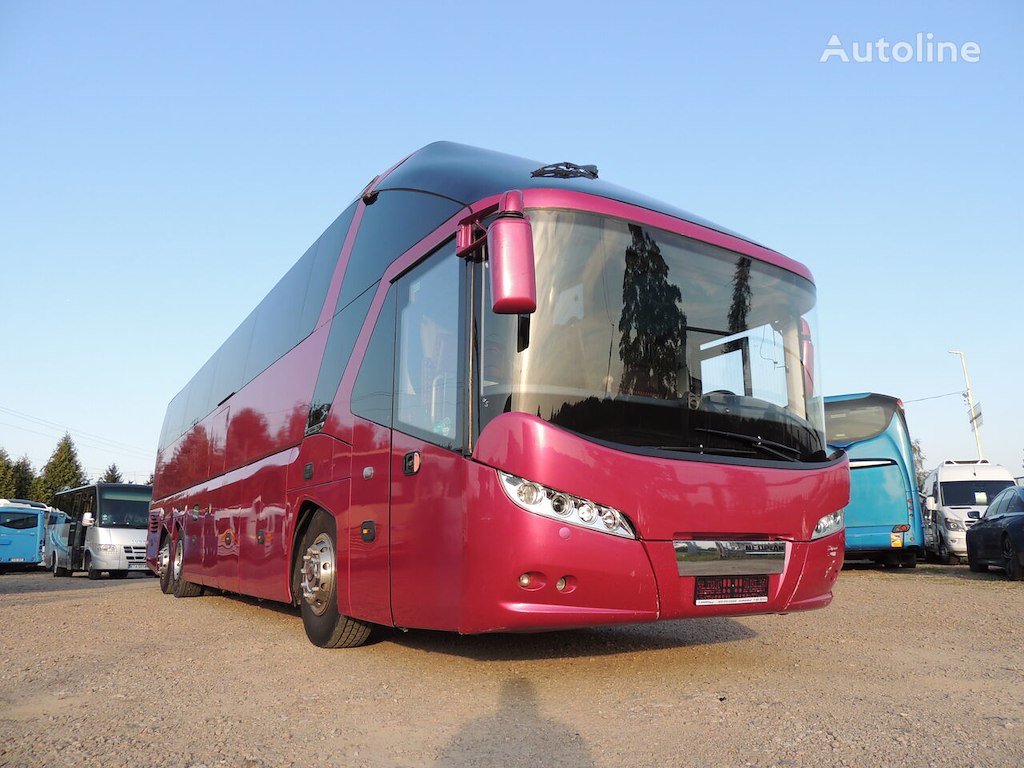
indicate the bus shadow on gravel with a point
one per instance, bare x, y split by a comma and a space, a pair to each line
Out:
533, 646
582, 643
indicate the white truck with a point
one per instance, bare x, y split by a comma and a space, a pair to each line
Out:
956, 494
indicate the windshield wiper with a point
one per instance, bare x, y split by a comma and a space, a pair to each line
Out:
785, 452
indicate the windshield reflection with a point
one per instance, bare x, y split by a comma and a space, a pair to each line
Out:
648, 339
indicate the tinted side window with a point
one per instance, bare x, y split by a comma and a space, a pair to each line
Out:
396, 221
344, 331
328, 248
428, 387
371, 395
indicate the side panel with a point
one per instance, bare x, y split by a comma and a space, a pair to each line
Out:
428, 535
264, 529
369, 591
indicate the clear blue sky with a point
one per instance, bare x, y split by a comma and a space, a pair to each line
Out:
163, 164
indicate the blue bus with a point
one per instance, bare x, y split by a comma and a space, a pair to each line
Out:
22, 527
883, 520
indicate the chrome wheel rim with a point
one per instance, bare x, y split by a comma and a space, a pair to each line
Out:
179, 556
318, 574
165, 558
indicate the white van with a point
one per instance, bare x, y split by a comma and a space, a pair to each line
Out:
99, 528
956, 494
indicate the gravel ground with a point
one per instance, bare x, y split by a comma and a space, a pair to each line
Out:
919, 667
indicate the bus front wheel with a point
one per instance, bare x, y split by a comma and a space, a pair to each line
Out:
179, 586
316, 574
164, 565
91, 572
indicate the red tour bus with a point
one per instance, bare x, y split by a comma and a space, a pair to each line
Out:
499, 396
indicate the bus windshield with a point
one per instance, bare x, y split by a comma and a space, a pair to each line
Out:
651, 340
124, 508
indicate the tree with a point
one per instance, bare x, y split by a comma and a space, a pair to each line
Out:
652, 323
6, 475
919, 458
63, 470
112, 475
24, 478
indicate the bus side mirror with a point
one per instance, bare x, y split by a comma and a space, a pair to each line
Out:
87, 519
929, 503
510, 251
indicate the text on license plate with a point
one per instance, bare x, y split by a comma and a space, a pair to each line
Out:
730, 590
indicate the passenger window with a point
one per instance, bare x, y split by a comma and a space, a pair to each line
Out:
396, 221
428, 387
342, 338
371, 395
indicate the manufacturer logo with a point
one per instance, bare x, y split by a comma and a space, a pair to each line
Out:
924, 49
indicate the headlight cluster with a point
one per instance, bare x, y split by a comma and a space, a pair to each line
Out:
108, 548
953, 524
541, 500
829, 524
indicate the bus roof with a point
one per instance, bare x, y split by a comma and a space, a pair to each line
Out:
861, 396
466, 174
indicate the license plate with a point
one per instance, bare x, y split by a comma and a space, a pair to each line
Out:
137, 566
730, 590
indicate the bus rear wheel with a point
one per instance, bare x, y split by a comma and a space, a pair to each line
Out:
316, 574
57, 570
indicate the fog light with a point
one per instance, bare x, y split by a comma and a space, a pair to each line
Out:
560, 584
524, 580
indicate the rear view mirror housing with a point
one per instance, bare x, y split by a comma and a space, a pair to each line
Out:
87, 519
510, 252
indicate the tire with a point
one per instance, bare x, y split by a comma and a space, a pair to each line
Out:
164, 565
974, 564
316, 574
91, 572
57, 570
1011, 560
179, 586
944, 555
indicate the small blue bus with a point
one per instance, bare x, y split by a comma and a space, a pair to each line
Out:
22, 528
883, 520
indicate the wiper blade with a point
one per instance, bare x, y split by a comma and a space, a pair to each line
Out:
785, 452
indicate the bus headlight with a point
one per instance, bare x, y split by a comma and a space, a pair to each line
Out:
108, 549
829, 524
547, 502
954, 525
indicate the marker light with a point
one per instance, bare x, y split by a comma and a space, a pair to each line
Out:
547, 502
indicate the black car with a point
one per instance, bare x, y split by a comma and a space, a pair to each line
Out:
998, 536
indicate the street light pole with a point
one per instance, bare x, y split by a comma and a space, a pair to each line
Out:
975, 417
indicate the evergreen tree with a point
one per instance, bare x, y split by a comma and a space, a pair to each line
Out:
24, 478
112, 475
63, 470
6, 476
